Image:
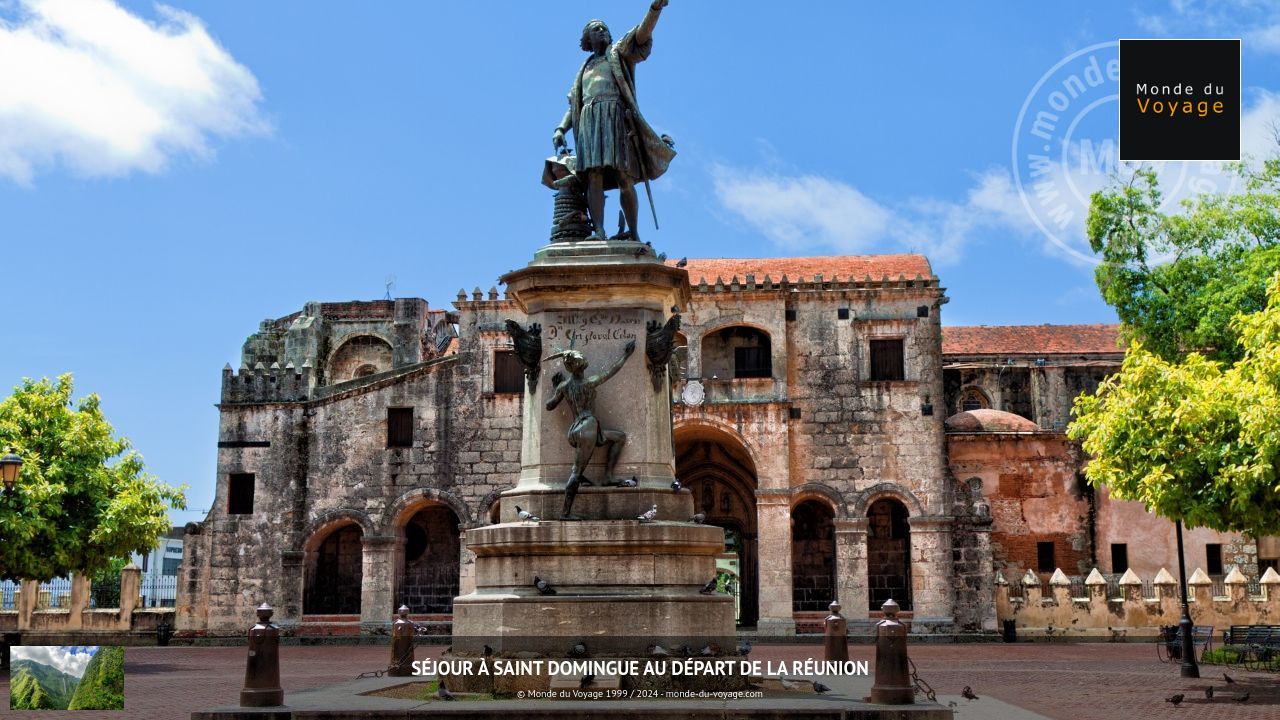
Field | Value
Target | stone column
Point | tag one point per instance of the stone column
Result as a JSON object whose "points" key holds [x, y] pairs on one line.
{"points": [[29, 595], [986, 572], [773, 527], [1049, 399], [851, 567], [932, 595], [79, 601], [130, 590], [291, 588], [377, 585]]}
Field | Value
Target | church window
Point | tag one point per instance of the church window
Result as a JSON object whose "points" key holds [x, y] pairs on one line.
{"points": [[240, 494], [508, 376], [886, 360], [399, 427]]}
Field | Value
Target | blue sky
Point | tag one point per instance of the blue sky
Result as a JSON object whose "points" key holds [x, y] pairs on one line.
{"points": [[70, 659], [172, 175]]}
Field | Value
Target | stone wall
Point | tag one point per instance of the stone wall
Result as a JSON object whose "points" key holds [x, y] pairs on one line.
{"points": [[1031, 483], [78, 623], [1093, 611]]}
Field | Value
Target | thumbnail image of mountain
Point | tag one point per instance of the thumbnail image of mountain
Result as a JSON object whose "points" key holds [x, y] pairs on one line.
{"points": [[67, 678]]}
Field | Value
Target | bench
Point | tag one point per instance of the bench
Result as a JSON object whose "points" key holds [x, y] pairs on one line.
{"points": [[1255, 646], [1169, 643]]}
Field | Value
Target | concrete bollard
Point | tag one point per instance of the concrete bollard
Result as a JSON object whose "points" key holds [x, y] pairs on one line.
{"points": [[402, 632], [262, 669], [893, 674], [835, 639]]}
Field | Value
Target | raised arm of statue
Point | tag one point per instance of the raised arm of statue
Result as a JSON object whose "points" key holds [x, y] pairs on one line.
{"points": [[645, 31], [616, 366], [556, 397]]}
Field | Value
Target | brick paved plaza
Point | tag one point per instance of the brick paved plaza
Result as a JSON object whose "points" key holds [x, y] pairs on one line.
{"points": [[1086, 681]]}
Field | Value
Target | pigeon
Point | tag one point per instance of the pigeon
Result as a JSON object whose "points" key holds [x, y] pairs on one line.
{"points": [[951, 703], [709, 588], [1176, 699], [587, 681], [682, 262], [640, 251], [488, 651], [686, 651], [526, 515], [675, 309], [787, 684], [699, 518], [578, 650], [544, 587], [443, 692], [820, 688], [744, 648], [1228, 679], [648, 516], [629, 482], [1208, 692], [666, 140], [706, 651], [967, 693], [1241, 698], [658, 651], [675, 485]]}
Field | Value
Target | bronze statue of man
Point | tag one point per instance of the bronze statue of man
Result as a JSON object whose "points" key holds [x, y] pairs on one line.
{"points": [[586, 433], [616, 148]]}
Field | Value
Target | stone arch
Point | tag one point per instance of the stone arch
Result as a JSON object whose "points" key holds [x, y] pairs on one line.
{"points": [[973, 397], [888, 552], [824, 493], [488, 508], [333, 561], [813, 554], [426, 523], [738, 350], [356, 354], [863, 499], [330, 520], [718, 467], [411, 501]]}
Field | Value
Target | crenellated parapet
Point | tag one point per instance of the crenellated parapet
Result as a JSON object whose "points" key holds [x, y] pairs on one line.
{"points": [[1129, 607], [261, 384]]}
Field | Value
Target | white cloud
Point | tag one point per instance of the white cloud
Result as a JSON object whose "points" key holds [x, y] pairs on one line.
{"points": [[1259, 124], [86, 84], [70, 659], [800, 212]]}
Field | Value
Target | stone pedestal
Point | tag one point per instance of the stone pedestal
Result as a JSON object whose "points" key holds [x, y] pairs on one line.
{"points": [[620, 585]]}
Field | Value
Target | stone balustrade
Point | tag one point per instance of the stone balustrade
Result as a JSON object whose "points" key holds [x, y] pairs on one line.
{"points": [[1059, 613]]}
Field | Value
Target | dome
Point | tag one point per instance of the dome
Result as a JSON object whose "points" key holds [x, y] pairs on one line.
{"points": [[975, 421]]}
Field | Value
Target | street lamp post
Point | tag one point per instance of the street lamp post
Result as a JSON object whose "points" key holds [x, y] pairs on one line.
{"points": [[1189, 667], [10, 464]]}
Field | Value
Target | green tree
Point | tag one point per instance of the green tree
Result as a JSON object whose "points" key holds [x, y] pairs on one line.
{"points": [[1195, 439], [102, 686], [1218, 252], [83, 497]]}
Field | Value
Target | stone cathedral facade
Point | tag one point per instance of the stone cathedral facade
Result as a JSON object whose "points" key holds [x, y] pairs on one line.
{"points": [[850, 447]]}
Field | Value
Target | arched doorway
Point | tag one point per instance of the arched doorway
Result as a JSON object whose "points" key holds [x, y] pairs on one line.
{"points": [[888, 554], [813, 556], [719, 472], [334, 570], [429, 568]]}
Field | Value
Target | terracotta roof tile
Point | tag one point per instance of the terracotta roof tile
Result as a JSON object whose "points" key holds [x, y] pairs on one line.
{"points": [[1031, 340], [795, 268]]}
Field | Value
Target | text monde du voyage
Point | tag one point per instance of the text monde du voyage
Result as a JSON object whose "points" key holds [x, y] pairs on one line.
{"points": [[1179, 99]]}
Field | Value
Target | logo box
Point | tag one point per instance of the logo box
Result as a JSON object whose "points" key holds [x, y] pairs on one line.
{"points": [[1179, 100]]}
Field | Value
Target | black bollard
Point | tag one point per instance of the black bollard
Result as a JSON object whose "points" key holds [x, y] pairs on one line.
{"points": [[893, 675], [835, 639], [262, 669], [402, 631]]}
